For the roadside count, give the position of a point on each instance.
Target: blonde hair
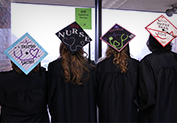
(120, 58)
(74, 65)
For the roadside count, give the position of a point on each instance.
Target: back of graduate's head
(154, 45)
(64, 51)
(18, 70)
(73, 65)
(120, 58)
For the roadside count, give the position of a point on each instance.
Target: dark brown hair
(74, 65)
(18, 70)
(154, 45)
(120, 58)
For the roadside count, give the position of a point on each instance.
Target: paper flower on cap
(74, 37)
(26, 53)
(162, 30)
(117, 37)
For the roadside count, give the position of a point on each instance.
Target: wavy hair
(120, 58)
(74, 65)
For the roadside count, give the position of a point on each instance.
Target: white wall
(135, 22)
(43, 21)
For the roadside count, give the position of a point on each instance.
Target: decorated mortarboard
(26, 53)
(162, 30)
(117, 37)
(74, 37)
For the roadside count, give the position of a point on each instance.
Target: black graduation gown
(116, 91)
(23, 97)
(71, 102)
(158, 87)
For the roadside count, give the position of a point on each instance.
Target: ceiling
(135, 5)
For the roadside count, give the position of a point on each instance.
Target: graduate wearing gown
(158, 84)
(71, 98)
(72, 80)
(117, 87)
(23, 97)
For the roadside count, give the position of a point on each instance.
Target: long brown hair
(120, 58)
(74, 65)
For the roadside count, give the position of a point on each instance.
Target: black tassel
(89, 54)
(40, 72)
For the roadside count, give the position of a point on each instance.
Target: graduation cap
(117, 37)
(25, 53)
(74, 37)
(162, 30)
